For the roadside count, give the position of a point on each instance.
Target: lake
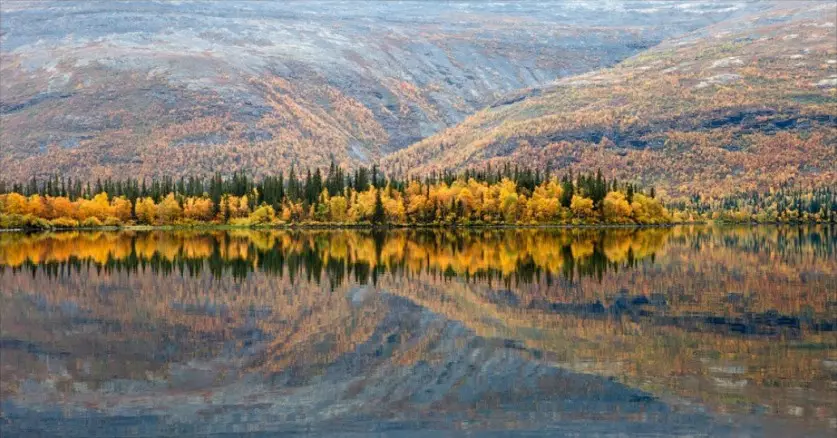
(690, 330)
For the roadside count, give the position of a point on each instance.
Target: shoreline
(389, 227)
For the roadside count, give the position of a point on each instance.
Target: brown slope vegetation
(98, 89)
(124, 124)
(746, 104)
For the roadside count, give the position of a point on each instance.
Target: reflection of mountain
(377, 361)
(660, 354)
(433, 321)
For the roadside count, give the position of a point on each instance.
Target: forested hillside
(152, 89)
(746, 105)
(736, 97)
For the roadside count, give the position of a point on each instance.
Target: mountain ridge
(153, 89)
(746, 104)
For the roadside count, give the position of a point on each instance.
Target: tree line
(504, 195)
(787, 204)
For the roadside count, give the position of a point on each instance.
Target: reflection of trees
(563, 293)
(510, 256)
(724, 271)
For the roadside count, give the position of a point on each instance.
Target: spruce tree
(379, 215)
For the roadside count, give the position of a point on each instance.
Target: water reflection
(512, 257)
(669, 330)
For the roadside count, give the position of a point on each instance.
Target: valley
(98, 90)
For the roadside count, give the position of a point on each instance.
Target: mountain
(745, 104)
(98, 89)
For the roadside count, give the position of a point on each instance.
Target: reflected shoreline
(389, 227)
(727, 320)
(450, 253)
(426, 227)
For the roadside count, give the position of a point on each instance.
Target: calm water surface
(686, 331)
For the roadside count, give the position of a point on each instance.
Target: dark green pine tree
(316, 186)
(293, 185)
(379, 215)
(568, 191)
(216, 190)
(361, 179)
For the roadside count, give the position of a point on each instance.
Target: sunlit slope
(98, 89)
(749, 103)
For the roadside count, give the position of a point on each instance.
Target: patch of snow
(727, 9)
(792, 36)
(827, 83)
(730, 383)
(729, 369)
(721, 79)
(699, 8)
(648, 10)
(796, 411)
(827, 24)
(81, 62)
(727, 62)
(797, 56)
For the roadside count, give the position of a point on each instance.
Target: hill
(98, 89)
(745, 104)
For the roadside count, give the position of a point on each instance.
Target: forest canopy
(485, 196)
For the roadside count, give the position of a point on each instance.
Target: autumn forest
(418, 218)
(367, 197)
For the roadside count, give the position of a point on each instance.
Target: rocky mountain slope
(97, 89)
(749, 103)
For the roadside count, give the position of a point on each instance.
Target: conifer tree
(379, 214)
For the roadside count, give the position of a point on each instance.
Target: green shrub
(263, 215)
(27, 221)
(64, 222)
(241, 222)
(91, 222)
(10, 220)
(38, 223)
(187, 222)
(111, 221)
